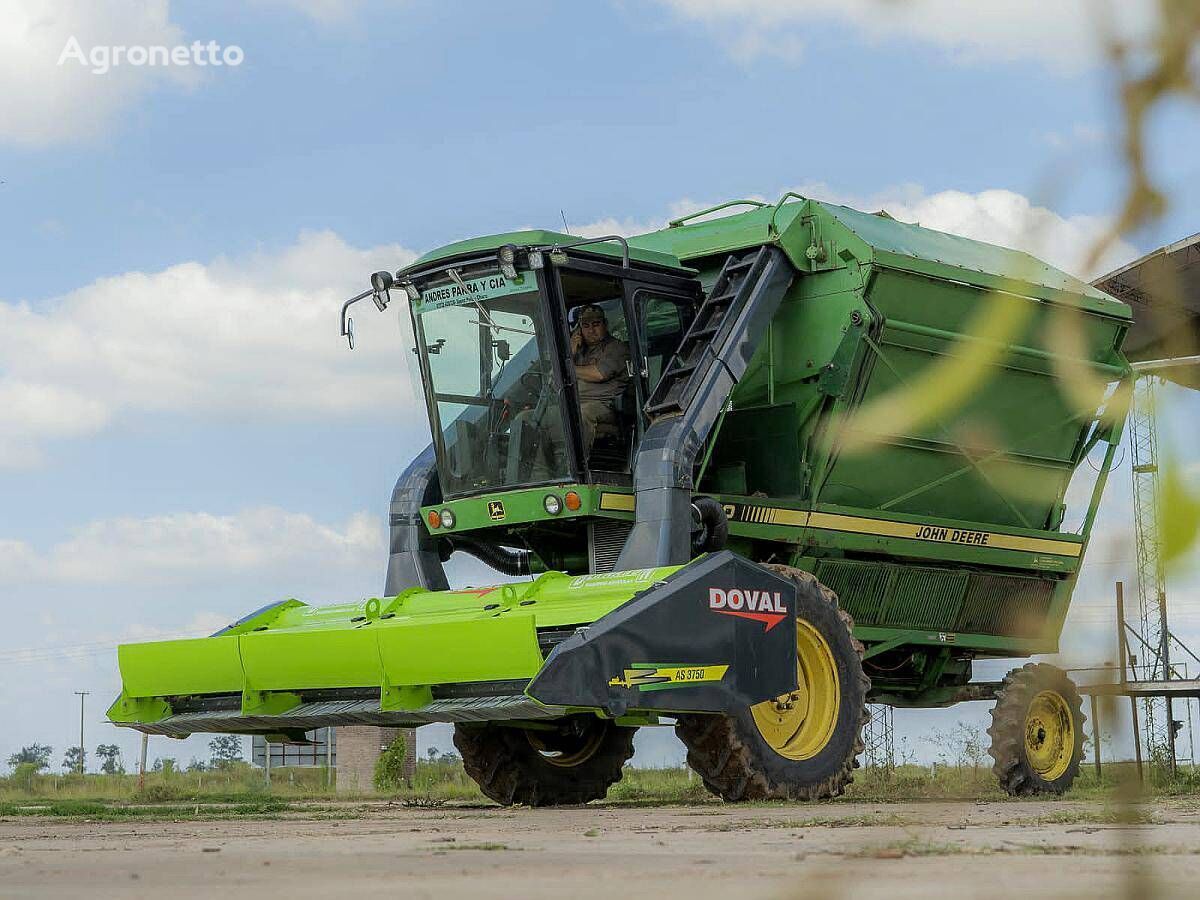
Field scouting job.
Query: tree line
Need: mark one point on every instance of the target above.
(224, 751)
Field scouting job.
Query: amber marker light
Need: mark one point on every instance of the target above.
(573, 501)
(435, 519)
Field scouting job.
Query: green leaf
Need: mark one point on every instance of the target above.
(1180, 515)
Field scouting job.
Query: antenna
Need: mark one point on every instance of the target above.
(566, 227)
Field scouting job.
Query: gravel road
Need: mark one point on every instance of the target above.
(860, 850)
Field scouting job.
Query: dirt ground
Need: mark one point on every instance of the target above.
(894, 850)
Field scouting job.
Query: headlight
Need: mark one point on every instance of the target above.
(553, 504)
(447, 519)
(508, 261)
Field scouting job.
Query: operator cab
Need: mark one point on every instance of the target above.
(538, 355)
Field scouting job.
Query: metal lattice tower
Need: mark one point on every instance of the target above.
(879, 750)
(1154, 652)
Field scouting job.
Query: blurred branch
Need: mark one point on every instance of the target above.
(1164, 67)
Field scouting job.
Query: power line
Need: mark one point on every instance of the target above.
(74, 651)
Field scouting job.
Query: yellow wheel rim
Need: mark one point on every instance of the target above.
(799, 725)
(1049, 735)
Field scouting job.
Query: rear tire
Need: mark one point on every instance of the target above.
(750, 755)
(572, 765)
(1036, 731)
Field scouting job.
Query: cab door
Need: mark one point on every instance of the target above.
(663, 319)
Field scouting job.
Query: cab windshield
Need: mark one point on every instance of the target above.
(496, 410)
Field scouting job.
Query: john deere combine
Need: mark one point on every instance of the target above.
(762, 467)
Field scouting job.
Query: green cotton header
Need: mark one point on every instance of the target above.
(489, 287)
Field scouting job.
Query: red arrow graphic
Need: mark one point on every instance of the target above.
(768, 619)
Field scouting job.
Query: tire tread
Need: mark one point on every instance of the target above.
(510, 771)
(1007, 730)
(729, 765)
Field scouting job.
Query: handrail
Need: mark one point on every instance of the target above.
(596, 240)
(675, 223)
(779, 206)
(1153, 366)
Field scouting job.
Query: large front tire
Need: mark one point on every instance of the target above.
(800, 746)
(1036, 731)
(576, 762)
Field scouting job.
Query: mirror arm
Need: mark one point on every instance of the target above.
(346, 333)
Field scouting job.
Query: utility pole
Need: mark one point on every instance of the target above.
(329, 732)
(82, 752)
(142, 761)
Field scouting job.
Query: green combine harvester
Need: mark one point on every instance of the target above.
(764, 466)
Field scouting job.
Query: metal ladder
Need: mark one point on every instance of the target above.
(699, 348)
(686, 404)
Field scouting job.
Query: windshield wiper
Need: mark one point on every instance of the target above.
(490, 324)
(483, 313)
(457, 279)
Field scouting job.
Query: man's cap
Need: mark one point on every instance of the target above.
(592, 313)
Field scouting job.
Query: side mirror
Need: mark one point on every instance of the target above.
(381, 285)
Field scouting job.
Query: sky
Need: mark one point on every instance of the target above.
(183, 434)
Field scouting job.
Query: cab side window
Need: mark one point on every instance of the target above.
(665, 319)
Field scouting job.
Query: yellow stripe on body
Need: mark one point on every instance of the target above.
(659, 675)
(685, 674)
(942, 534)
(617, 502)
(794, 518)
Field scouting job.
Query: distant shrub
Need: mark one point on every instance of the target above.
(161, 793)
(389, 768)
(24, 776)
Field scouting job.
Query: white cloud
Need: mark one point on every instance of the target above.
(1063, 34)
(250, 337)
(42, 102)
(179, 549)
(1010, 220)
(201, 624)
(324, 12)
(17, 559)
(611, 225)
(44, 411)
(1077, 136)
(629, 226)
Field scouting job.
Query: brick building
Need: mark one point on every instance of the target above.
(359, 748)
(350, 750)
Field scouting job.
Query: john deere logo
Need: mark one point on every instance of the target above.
(495, 509)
